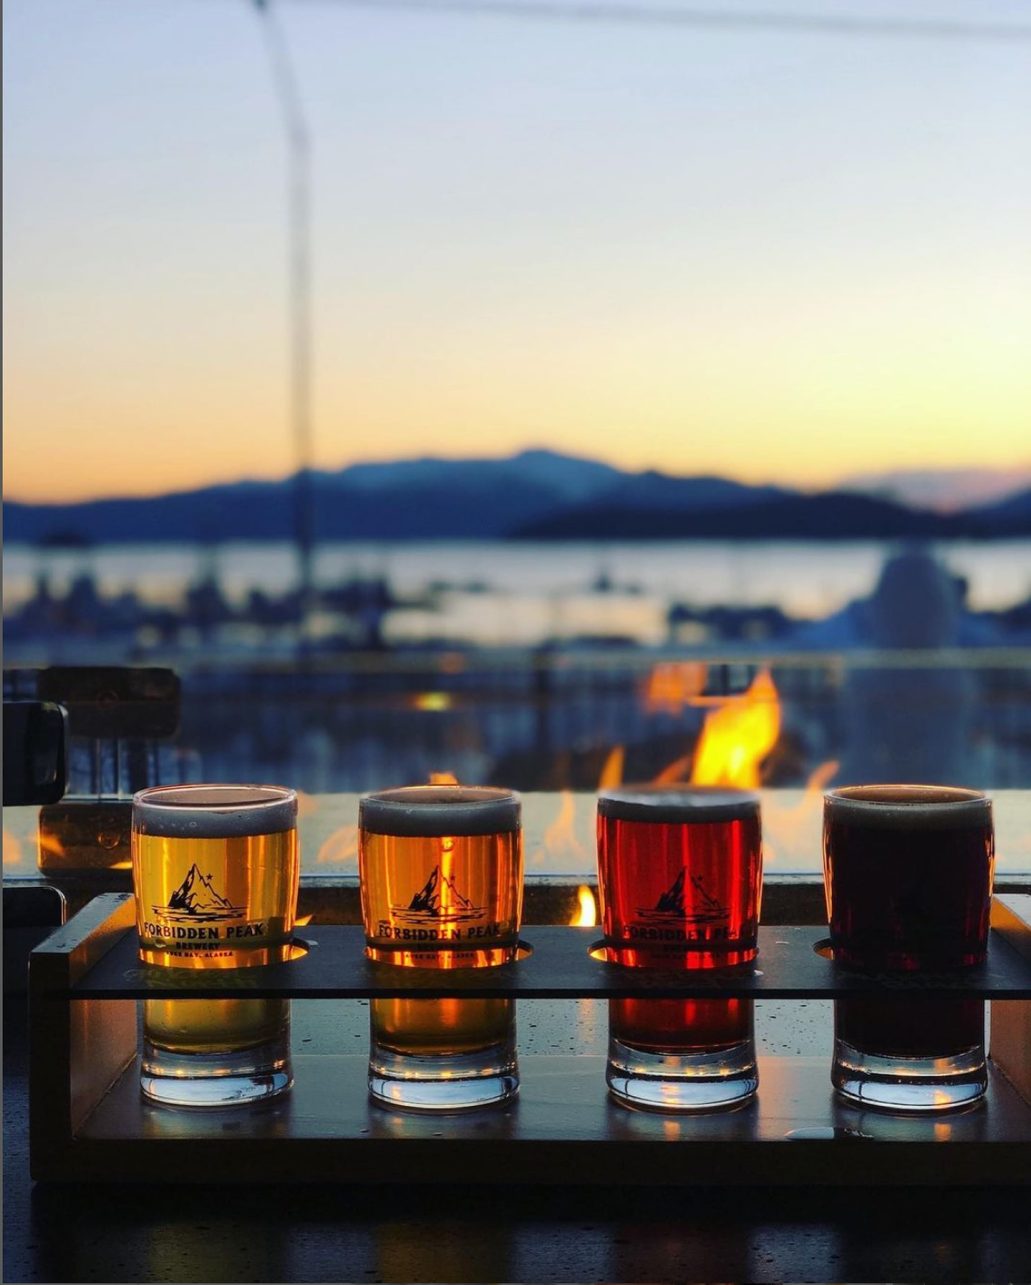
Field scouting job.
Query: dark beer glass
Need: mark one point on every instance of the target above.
(680, 878)
(441, 871)
(908, 880)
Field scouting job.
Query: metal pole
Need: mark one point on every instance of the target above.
(298, 138)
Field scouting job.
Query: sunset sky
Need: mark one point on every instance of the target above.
(773, 255)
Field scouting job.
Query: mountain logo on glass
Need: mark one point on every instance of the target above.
(438, 901)
(670, 905)
(196, 901)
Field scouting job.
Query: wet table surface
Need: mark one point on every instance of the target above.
(457, 1233)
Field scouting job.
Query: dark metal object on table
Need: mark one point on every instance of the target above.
(31, 913)
(35, 754)
(114, 701)
(115, 715)
(119, 712)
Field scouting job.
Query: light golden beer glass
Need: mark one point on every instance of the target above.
(215, 870)
(442, 887)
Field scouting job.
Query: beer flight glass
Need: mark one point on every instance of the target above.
(215, 872)
(908, 880)
(441, 870)
(680, 879)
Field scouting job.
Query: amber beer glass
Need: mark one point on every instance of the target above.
(908, 879)
(680, 878)
(442, 887)
(215, 870)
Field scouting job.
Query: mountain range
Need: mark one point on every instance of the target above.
(946, 490)
(535, 495)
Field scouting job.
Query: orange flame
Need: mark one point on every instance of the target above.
(612, 769)
(812, 794)
(341, 846)
(678, 770)
(560, 836)
(737, 735)
(50, 845)
(302, 921)
(795, 826)
(673, 684)
(443, 778)
(12, 849)
(821, 778)
(307, 804)
(587, 915)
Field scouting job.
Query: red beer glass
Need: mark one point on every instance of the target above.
(680, 878)
(908, 880)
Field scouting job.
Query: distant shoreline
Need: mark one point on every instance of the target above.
(715, 537)
(507, 584)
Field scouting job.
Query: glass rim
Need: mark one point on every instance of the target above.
(678, 804)
(197, 811)
(271, 796)
(909, 804)
(436, 811)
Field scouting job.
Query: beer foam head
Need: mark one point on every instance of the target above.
(678, 804)
(432, 811)
(214, 811)
(917, 807)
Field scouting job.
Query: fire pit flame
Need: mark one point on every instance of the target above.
(12, 849)
(587, 914)
(612, 769)
(738, 735)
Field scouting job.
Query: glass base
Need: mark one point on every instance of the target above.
(921, 1084)
(443, 1081)
(713, 1081)
(215, 1079)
